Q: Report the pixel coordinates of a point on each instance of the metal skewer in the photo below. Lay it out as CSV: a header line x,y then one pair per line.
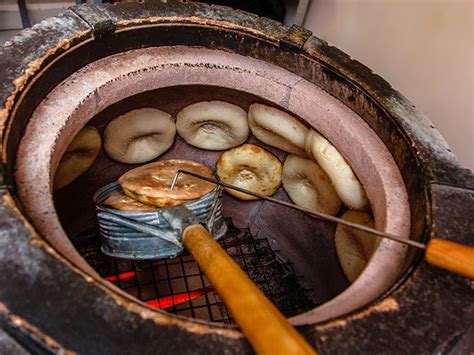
x,y
303,209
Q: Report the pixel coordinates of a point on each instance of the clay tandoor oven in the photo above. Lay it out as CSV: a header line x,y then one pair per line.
x,y
93,63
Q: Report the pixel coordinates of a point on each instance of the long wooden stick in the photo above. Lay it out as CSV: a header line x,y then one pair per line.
x,y
451,256
445,254
265,327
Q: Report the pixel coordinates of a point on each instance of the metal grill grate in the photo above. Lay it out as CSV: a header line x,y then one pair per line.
x,y
178,286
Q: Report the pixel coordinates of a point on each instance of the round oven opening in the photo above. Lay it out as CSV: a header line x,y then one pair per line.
x,y
300,248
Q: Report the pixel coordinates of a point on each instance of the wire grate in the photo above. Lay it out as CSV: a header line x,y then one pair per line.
x,y
178,286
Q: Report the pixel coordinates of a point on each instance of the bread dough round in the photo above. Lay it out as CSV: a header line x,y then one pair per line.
x,y
250,167
213,125
78,157
346,184
277,128
150,183
139,136
354,248
309,186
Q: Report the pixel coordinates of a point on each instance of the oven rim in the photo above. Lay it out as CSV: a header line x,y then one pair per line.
x,y
459,183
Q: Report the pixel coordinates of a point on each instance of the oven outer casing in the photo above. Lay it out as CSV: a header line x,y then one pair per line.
x,y
47,303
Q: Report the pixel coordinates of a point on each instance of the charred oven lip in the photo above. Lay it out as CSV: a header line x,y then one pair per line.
x,y
438,187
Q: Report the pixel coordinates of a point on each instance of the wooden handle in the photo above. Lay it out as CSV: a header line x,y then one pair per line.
x,y
265,327
451,256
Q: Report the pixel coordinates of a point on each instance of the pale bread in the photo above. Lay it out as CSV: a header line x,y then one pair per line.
x,y
309,186
78,157
277,128
346,184
139,136
354,248
213,125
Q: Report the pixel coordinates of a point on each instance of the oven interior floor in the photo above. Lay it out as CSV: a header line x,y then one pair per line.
x,y
178,286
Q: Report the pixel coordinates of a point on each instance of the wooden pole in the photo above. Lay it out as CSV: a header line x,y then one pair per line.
x,y
451,256
265,327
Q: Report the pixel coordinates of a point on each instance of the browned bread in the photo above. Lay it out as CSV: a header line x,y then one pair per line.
x,y
120,201
150,183
252,168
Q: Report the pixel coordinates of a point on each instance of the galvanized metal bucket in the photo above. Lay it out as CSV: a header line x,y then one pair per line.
x,y
140,235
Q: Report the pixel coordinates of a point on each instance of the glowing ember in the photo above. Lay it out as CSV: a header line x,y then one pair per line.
x,y
122,276
169,301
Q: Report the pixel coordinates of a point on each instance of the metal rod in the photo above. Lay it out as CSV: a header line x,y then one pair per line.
x,y
303,209
25,18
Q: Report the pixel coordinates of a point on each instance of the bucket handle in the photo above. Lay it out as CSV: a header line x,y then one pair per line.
x,y
167,234
211,219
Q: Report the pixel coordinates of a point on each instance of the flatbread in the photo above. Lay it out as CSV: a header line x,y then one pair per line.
x,y
252,168
122,202
150,184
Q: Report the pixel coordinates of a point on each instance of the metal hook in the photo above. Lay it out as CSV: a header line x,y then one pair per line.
x,y
303,209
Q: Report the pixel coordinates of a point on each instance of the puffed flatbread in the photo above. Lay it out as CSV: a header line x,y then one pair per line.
x,y
252,168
